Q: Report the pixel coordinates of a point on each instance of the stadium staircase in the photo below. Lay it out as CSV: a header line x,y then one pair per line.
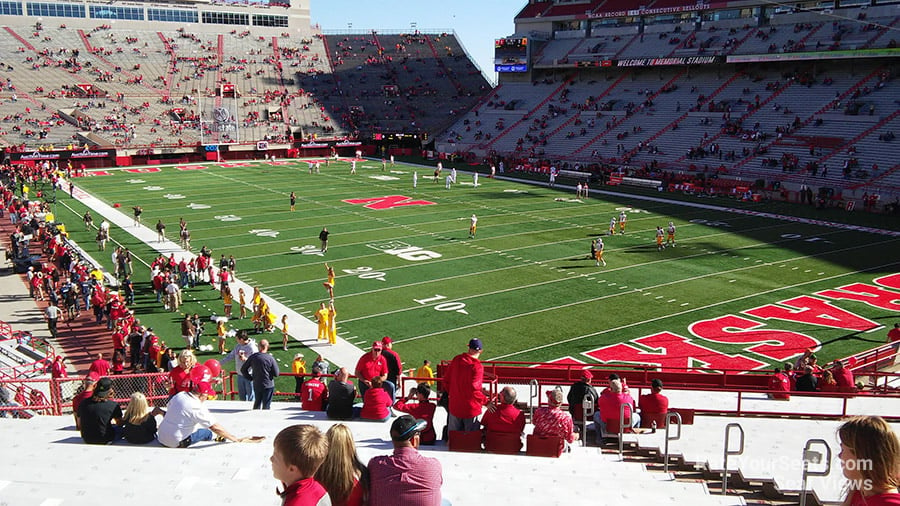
x,y
173,62
220,53
566,82
19,38
800,44
448,72
86,42
625,47
713,138
750,33
737,166
880,33
865,133
677,120
623,118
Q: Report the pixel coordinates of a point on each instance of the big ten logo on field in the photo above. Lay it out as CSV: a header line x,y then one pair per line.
x,y
405,251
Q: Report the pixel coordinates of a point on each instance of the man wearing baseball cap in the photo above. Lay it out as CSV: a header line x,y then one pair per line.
x,y
188,421
369,366
394,364
577,394
463,383
98,413
405,477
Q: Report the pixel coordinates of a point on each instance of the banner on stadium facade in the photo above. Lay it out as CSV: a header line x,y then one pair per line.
x,y
651,12
676,60
40,156
813,55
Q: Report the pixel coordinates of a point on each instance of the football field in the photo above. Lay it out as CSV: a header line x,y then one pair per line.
x,y
740,290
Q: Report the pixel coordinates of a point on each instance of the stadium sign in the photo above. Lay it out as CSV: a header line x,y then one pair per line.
x,y
59,155
678,60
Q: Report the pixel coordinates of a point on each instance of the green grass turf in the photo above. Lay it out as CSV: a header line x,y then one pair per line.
x,y
525,285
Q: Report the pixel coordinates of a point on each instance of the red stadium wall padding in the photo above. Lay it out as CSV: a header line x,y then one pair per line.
x,y
123,161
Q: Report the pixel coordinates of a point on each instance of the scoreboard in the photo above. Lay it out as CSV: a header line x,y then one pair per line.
x,y
511,55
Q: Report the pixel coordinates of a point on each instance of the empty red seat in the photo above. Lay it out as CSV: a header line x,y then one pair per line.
x,y
502,442
464,441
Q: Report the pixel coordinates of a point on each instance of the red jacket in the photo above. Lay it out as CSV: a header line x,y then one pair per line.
x,y
463,381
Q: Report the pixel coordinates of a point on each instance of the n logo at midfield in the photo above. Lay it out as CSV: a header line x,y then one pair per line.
x,y
389,202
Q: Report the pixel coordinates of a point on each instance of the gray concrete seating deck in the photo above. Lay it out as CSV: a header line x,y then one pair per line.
x,y
80,474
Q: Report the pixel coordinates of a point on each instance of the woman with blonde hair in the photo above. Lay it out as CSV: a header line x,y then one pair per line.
x,y
342,474
870,460
180,375
140,421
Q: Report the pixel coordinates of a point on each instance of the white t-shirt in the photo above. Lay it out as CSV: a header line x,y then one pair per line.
x,y
184,415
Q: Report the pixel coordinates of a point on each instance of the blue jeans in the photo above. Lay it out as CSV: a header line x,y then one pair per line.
x,y
245,389
196,437
263,398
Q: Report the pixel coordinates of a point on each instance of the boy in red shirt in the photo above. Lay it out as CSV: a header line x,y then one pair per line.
x,y
298,454
313,393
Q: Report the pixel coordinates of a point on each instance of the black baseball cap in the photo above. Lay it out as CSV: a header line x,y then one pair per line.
x,y
405,427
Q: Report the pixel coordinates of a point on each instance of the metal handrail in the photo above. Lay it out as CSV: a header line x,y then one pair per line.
x,y
676,416
809,457
587,412
728,452
534,391
622,426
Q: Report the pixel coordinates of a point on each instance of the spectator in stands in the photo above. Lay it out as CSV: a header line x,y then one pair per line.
x,y
807,382
780,382
188,421
376,402
58,368
313,393
551,420
243,350
342,474
843,377
405,477
608,407
101,418
789,373
394,364
90,381
180,375
504,417
463,382
298,368
577,393
99,366
262,369
654,405
341,396
893,337
299,452
418,405
370,366
425,371
140,420
827,383
870,459
801,362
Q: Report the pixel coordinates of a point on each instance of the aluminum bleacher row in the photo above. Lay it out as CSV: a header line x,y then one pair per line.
x,y
773,450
